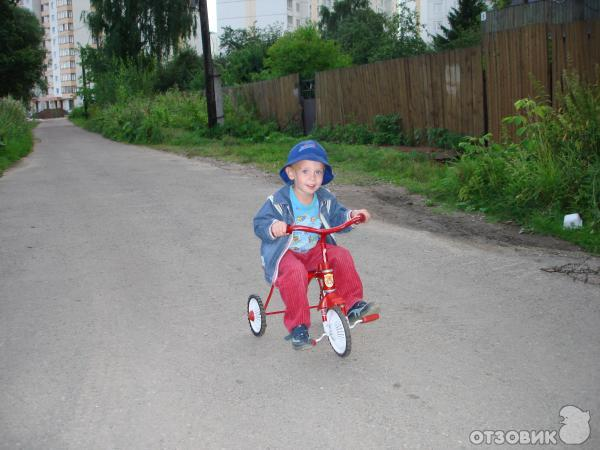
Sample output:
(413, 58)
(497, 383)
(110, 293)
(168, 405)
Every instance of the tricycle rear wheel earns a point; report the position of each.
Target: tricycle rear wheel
(257, 319)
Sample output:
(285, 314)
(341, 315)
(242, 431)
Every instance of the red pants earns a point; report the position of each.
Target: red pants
(292, 281)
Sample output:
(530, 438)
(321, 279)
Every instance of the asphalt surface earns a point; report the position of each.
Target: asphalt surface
(124, 274)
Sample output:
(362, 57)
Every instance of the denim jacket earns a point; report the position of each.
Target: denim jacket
(279, 207)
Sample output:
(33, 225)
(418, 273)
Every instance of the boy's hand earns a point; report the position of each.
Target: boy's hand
(356, 212)
(278, 228)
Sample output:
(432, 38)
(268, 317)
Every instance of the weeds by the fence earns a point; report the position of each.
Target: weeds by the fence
(388, 130)
(16, 139)
(553, 170)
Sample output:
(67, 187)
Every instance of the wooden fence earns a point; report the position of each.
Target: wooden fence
(574, 45)
(468, 91)
(538, 12)
(530, 62)
(442, 90)
(516, 66)
(276, 100)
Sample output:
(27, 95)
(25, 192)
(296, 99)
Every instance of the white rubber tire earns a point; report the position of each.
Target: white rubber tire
(259, 324)
(339, 332)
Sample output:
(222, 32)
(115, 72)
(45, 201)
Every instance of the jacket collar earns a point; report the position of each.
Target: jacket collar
(282, 196)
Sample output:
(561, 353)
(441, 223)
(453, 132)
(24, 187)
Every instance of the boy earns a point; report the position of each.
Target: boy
(287, 259)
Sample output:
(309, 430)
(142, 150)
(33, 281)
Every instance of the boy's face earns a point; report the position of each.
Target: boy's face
(307, 176)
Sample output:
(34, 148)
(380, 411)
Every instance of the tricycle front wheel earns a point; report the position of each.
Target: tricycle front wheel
(339, 332)
(257, 318)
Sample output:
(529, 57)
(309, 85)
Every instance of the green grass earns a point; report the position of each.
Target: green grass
(15, 149)
(16, 136)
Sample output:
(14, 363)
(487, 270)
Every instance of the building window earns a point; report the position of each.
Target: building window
(290, 22)
(289, 5)
(297, 7)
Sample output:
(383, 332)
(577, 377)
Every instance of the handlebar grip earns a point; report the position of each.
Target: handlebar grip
(288, 229)
(361, 218)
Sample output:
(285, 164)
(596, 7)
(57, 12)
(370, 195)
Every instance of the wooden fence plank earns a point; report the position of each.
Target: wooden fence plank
(276, 100)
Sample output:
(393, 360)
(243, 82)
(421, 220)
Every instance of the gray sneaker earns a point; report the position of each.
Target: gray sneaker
(361, 309)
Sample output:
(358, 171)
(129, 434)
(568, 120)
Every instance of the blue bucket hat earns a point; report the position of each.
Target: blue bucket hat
(312, 151)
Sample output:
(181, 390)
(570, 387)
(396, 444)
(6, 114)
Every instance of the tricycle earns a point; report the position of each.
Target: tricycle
(336, 326)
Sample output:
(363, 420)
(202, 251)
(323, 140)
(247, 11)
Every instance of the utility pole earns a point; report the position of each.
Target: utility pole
(83, 59)
(211, 103)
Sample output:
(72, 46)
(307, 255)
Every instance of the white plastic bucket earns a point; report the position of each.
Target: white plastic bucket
(572, 221)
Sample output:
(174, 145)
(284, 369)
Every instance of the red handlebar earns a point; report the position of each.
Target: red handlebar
(359, 218)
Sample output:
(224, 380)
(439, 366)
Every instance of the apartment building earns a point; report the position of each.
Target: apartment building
(433, 14)
(64, 31)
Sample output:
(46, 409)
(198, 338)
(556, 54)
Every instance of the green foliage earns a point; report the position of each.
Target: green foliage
(387, 130)
(348, 134)
(143, 120)
(244, 51)
(232, 40)
(464, 30)
(242, 122)
(501, 4)
(185, 72)
(150, 120)
(304, 51)
(114, 80)
(370, 36)
(16, 139)
(553, 170)
(438, 137)
(22, 51)
(127, 29)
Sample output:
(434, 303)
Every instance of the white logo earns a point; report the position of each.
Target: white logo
(576, 427)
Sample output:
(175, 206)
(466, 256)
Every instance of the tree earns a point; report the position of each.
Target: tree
(240, 38)
(244, 51)
(370, 36)
(22, 51)
(305, 52)
(185, 71)
(331, 19)
(128, 29)
(464, 26)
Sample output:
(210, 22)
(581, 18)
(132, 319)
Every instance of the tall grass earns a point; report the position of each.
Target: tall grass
(16, 138)
(151, 119)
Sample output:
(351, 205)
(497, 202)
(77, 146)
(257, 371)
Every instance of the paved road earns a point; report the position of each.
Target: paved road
(124, 273)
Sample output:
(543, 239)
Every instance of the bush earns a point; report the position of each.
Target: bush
(184, 72)
(553, 170)
(242, 122)
(16, 139)
(388, 130)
